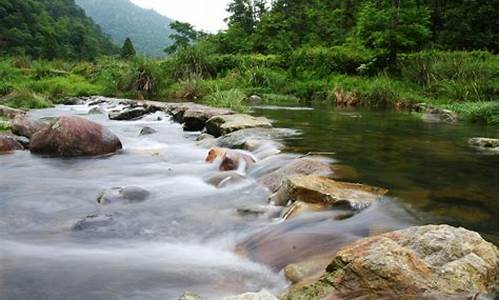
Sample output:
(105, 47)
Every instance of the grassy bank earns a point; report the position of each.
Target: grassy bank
(466, 82)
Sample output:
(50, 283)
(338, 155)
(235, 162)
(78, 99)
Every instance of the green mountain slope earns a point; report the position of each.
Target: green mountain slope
(50, 29)
(147, 29)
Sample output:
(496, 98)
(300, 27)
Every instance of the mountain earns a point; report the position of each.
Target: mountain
(148, 30)
(50, 29)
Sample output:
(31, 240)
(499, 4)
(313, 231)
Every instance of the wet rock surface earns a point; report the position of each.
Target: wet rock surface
(195, 117)
(147, 131)
(10, 112)
(484, 143)
(415, 262)
(129, 194)
(128, 114)
(24, 126)
(436, 115)
(221, 125)
(249, 139)
(74, 136)
(9, 143)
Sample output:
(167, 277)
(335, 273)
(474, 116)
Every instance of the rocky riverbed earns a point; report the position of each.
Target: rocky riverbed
(252, 221)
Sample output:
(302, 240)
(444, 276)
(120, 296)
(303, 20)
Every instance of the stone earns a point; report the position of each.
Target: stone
(254, 210)
(206, 140)
(437, 261)
(254, 99)
(248, 139)
(147, 131)
(96, 101)
(177, 110)
(129, 194)
(73, 101)
(484, 143)
(262, 295)
(436, 115)
(128, 114)
(300, 166)
(196, 117)
(24, 141)
(24, 126)
(223, 179)
(10, 112)
(8, 143)
(221, 125)
(323, 190)
(298, 207)
(96, 110)
(94, 223)
(70, 136)
(304, 270)
(190, 296)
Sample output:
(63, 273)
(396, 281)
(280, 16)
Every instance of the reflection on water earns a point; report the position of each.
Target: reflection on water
(428, 167)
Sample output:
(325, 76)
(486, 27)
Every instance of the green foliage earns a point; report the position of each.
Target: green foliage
(148, 30)
(191, 88)
(479, 112)
(50, 29)
(190, 61)
(184, 35)
(128, 49)
(25, 98)
(4, 124)
(233, 99)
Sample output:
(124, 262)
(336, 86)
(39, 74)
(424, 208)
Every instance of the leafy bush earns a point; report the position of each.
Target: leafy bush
(191, 88)
(187, 61)
(479, 112)
(309, 90)
(25, 98)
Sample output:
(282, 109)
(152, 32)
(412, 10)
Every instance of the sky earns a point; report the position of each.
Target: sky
(207, 15)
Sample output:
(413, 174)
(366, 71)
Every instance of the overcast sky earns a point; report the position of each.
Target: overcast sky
(207, 15)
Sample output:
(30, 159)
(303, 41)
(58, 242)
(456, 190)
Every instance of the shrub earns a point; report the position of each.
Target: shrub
(233, 99)
(479, 112)
(191, 88)
(26, 99)
(187, 61)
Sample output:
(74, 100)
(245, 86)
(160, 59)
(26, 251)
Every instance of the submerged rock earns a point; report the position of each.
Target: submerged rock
(433, 260)
(127, 194)
(486, 144)
(147, 131)
(221, 125)
(435, 115)
(251, 138)
(74, 136)
(301, 271)
(299, 207)
(262, 295)
(8, 143)
(195, 117)
(96, 110)
(24, 126)
(223, 179)
(94, 223)
(323, 190)
(73, 101)
(128, 114)
(206, 140)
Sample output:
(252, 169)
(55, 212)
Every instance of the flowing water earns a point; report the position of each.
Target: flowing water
(188, 235)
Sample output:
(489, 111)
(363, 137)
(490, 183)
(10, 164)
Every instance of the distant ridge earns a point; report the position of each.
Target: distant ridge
(147, 29)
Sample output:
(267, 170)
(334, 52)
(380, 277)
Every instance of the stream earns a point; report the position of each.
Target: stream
(187, 235)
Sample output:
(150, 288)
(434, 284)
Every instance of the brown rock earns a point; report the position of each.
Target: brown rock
(8, 143)
(195, 117)
(24, 126)
(299, 207)
(434, 260)
(74, 136)
(221, 125)
(10, 112)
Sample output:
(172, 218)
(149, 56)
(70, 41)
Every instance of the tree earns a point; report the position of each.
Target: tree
(393, 26)
(242, 14)
(184, 36)
(128, 50)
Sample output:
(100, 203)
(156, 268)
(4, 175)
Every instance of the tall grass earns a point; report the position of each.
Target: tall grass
(233, 99)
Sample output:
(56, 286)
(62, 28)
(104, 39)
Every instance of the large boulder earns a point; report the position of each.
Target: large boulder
(221, 125)
(24, 126)
(74, 136)
(323, 190)
(8, 143)
(300, 166)
(10, 112)
(432, 262)
(195, 117)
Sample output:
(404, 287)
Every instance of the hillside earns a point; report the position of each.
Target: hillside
(50, 29)
(120, 19)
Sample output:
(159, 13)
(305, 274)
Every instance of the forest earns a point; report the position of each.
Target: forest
(376, 53)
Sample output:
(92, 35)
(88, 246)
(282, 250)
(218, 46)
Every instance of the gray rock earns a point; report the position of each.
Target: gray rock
(223, 179)
(206, 140)
(97, 101)
(221, 125)
(254, 99)
(24, 141)
(147, 131)
(24, 126)
(129, 194)
(435, 115)
(195, 117)
(96, 110)
(251, 138)
(128, 114)
(94, 223)
(437, 261)
(73, 101)
(484, 143)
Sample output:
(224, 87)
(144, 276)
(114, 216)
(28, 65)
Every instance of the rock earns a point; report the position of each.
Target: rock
(8, 143)
(147, 131)
(299, 166)
(254, 99)
(223, 179)
(435, 115)
(127, 194)
(221, 125)
(248, 139)
(252, 210)
(231, 160)
(484, 143)
(10, 112)
(177, 110)
(74, 136)
(323, 190)
(195, 117)
(190, 296)
(206, 140)
(262, 295)
(96, 110)
(24, 126)
(24, 141)
(435, 260)
(299, 207)
(128, 114)
(73, 101)
(97, 101)
(94, 223)
(301, 271)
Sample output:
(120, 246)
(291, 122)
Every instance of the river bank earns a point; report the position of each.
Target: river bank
(248, 224)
